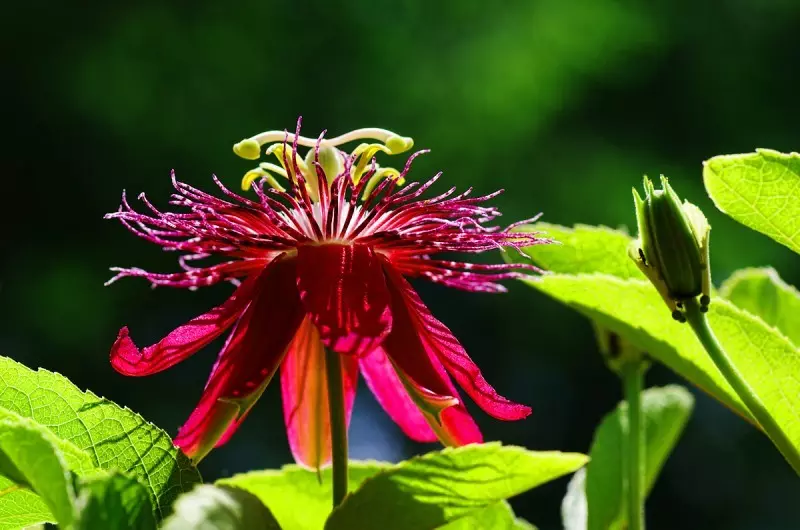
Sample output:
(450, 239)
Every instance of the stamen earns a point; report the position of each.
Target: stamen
(250, 148)
(257, 174)
(380, 174)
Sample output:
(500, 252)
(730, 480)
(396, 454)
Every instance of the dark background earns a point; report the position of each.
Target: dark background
(565, 104)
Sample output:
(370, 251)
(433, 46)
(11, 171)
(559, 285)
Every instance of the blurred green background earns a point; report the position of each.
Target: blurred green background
(566, 104)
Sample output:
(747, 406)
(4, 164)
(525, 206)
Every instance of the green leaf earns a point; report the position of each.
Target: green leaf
(30, 459)
(34, 458)
(666, 411)
(20, 507)
(75, 459)
(583, 249)
(763, 293)
(113, 501)
(299, 498)
(432, 490)
(114, 437)
(498, 516)
(633, 309)
(761, 190)
(210, 507)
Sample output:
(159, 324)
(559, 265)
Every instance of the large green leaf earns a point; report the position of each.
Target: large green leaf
(114, 437)
(596, 500)
(498, 516)
(633, 309)
(30, 459)
(432, 490)
(582, 249)
(74, 458)
(210, 507)
(760, 190)
(763, 293)
(20, 507)
(299, 498)
(63, 479)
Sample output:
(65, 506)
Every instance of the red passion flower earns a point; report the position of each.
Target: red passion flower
(322, 263)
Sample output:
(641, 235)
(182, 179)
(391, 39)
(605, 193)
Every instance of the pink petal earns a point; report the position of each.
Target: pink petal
(439, 343)
(343, 289)
(383, 381)
(424, 377)
(181, 343)
(247, 363)
(304, 388)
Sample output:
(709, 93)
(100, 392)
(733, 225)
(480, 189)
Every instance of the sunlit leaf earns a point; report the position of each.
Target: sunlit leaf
(62, 483)
(210, 507)
(20, 507)
(297, 497)
(114, 437)
(763, 293)
(432, 490)
(760, 190)
(30, 459)
(498, 516)
(582, 249)
(633, 309)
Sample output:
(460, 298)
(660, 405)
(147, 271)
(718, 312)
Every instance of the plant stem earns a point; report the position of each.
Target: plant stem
(633, 381)
(333, 367)
(699, 323)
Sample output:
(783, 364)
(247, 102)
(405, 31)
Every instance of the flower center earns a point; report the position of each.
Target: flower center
(324, 162)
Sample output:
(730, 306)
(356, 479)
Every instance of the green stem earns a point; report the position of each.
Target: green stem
(699, 323)
(633, 381)
(333, 366)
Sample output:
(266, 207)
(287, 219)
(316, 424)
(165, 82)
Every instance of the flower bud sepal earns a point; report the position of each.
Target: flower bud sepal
(672, 248)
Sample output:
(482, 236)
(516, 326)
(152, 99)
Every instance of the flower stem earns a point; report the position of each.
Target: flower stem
(333, 366)
(633, 381)
(699, 323)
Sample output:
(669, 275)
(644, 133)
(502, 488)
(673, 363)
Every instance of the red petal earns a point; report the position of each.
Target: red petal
(184, 341)
(383, 381)
(439, 343)
(344, 291)
(304, 387)
(424, 377)
(247, 363)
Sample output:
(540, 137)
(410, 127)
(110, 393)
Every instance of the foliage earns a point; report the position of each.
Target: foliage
(760, 190)
(595, 497)
(613, 297)
(114, 437)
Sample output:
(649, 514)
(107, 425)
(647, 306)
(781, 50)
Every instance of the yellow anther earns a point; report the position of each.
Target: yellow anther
(251, 176)
(365, 153)
(380, 174)
(289, 159)
(257, 174)
(330, 159)
(248, 149)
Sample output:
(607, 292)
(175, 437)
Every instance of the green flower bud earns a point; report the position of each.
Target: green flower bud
(672, 249)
